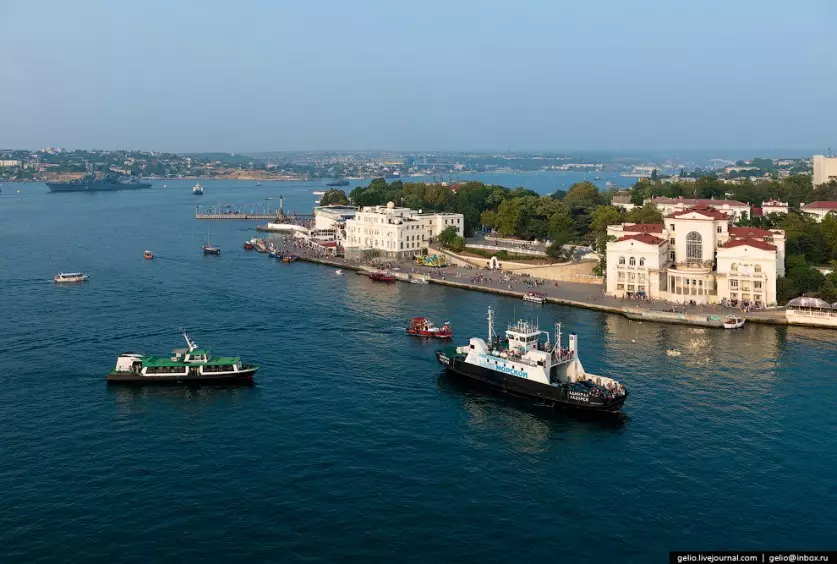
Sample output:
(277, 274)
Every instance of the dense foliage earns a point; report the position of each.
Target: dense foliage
(334, 197)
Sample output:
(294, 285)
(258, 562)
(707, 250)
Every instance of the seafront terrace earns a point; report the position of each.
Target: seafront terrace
(576, 294)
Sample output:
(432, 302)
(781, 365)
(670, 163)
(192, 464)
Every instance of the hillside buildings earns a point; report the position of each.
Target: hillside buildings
(696, 255)
(819, 209)
(825, 169)
(396, 232)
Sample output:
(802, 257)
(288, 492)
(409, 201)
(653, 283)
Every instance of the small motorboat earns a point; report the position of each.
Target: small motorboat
(70, 277)
(250, 245)
(381, 277)
(261, 246)
(673, 352)
(148, 255)
(338, 272)
(258, 183)
(733, 322)
(290, 258)
(423, 327)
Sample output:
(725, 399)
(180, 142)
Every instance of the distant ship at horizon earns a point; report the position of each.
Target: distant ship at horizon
(338, 182)
(90, 183)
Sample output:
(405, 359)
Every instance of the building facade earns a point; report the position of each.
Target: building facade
(820, 209)
(398, 232)
(825, 169)
(736, 210)
(696, 255)
(774, 206)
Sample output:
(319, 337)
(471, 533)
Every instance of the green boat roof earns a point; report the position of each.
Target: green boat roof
(167, 361)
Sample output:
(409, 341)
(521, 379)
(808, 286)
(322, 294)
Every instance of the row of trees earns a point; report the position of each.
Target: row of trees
(793, 189)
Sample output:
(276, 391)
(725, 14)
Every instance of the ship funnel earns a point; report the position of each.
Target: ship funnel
(574, 344)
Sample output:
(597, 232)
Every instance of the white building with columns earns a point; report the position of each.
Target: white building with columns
(398, 232)
(697, 255)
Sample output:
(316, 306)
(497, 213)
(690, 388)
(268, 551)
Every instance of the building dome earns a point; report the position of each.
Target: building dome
(390, 205)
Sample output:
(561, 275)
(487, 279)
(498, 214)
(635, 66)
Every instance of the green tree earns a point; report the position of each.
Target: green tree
(507, 217)
(646, 214)
(603, 216)
(447, 236)
(334, 197)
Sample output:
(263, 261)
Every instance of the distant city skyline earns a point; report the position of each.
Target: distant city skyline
(259, 76)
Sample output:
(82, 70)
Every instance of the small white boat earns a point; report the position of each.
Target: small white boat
(70, 277)
(338, 272)
(534, 297)
(733, 322)
(318, 193)
(419, 281)
(197, 189)
(673, 352)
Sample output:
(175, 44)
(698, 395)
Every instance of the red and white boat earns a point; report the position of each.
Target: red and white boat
(381, 277)
(423, 327)
(148, 255)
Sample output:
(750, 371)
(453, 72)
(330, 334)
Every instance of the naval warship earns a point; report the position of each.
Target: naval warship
(92, 183)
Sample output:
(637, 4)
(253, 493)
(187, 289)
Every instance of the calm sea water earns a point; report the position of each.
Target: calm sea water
(353, 445)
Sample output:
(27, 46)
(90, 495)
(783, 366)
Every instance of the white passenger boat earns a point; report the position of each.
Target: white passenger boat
(70, 277)
(535, 297)
(733, 322)
(197, 189)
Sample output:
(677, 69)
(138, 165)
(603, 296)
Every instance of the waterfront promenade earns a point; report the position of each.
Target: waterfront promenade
(575, 294)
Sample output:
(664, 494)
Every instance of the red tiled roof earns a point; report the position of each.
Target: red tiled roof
(821, 205)
(757, 243)
(643, 238)
(757, 212)
(746, 232)
(702, 210)
(643, 228)
(697, 202)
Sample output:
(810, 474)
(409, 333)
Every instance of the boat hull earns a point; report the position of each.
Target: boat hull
(244, 376)
(555, 396)
(429, 334)
(96, 187)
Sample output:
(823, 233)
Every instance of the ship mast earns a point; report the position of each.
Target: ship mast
(557, 336)
(191, 344)
(490, 326)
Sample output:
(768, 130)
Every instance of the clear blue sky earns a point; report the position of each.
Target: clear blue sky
(459, 74)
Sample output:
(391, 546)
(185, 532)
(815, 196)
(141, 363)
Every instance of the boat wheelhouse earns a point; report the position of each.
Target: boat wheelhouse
(70, 277)
(187, 365)
(527, 363)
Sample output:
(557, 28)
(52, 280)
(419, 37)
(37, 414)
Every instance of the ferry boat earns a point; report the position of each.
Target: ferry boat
(733, 322)
(423, 327)
(148, 255)
(535, 297)
(70, 277)
(532, 366)
(197, 189)
(192, 365)
(381, 277)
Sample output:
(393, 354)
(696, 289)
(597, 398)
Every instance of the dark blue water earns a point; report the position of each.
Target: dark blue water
(353, 445)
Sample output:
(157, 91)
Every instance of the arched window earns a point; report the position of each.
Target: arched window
(632, 261)
(642, 261)
(621, 260)
(757, 269)
(734, 267)
(694, 246)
